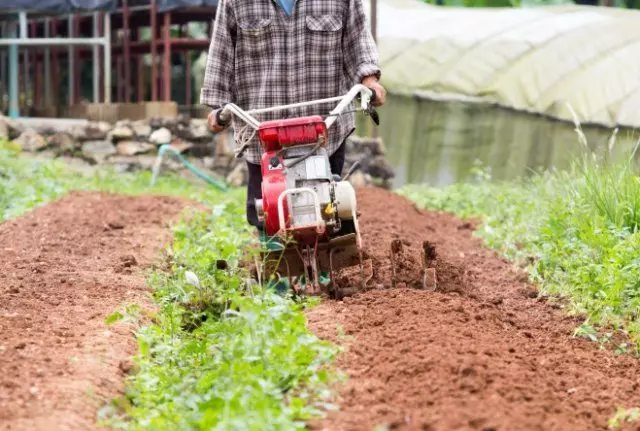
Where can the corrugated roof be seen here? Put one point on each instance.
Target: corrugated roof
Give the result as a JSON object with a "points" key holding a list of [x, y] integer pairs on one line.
{"points": [[534, 59], [65, 6]]}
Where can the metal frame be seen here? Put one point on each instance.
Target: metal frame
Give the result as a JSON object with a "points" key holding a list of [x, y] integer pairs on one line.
{"points": [[344, 101], [23, 39]]}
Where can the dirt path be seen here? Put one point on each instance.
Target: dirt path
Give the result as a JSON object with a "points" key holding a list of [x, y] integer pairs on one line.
{"points": [[65, 267], [483, 353]]}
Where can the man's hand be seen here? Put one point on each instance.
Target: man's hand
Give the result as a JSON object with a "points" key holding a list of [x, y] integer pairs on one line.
{"points": [[212, 120], [372, 83]]}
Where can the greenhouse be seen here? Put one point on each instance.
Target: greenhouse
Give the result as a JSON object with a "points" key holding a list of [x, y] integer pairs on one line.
{"points": [[536, 59]]}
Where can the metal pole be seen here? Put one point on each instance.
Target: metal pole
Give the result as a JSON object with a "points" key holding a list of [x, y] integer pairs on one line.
{"points": [[71, 60], [77, 91], [96, 83], [127, 51], [3, 68], [24, 34], [55, 42], [107, 57], [167, 57], [14, 108], [154, 51], [55, 70], [37, 86], [47, 65]]}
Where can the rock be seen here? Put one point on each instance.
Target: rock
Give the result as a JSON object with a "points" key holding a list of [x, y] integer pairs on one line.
{"points": [[31, 141], [223, 162], [147, 162], [122, 164], [131, 148], [208, 163], [363, 145], [120, 132], [141, 129], [95, 131], [358, 179], [128, 261], [161, 136], [200, 129], [115, 225], [238, 176], [180, 145], [196, 130], [21, 346], [4, 128], [98, 151], [378, 167], [64, 143]]}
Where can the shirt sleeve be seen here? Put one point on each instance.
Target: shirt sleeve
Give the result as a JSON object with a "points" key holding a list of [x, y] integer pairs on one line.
{"points": [[360, 52], [218, 76]]}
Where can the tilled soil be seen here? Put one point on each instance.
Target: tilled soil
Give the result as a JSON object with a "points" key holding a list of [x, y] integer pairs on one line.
{"points": [[65, 267], [483, 352]]}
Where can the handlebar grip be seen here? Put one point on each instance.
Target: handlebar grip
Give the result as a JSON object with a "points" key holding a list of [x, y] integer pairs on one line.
{"points": [[222, 119]]}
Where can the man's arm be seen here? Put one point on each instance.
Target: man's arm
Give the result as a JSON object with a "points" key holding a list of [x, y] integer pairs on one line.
{"points": [[218, 77], [360, 52]]}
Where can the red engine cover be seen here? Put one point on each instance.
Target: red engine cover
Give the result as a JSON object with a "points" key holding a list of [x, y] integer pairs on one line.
{"points": [[294, 131], [273, 184]]}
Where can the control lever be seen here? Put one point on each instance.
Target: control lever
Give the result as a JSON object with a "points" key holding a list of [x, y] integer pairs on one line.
{"points": [[371, 110]]}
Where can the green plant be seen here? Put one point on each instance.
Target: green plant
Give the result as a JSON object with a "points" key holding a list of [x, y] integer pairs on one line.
{"points": [[221, 356], [576, 232], [623, 416], [219, 352]]}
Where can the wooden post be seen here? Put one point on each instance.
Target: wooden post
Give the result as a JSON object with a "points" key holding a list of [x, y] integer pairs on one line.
{"points": [[127, 51]]}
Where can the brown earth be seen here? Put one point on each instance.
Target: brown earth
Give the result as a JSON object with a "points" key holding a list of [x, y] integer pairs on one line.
{"points": [[65, 267], [483, 352]]}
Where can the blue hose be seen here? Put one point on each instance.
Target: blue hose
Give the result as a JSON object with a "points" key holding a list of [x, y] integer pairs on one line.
{"points": [[168, 148]]}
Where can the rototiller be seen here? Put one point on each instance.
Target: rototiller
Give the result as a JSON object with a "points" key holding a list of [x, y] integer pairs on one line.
{"points": [[312, 212]]}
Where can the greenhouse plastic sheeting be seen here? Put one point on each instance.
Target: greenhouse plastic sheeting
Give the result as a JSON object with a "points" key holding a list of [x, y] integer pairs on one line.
{"points": [[536, 59], [63, 6]]}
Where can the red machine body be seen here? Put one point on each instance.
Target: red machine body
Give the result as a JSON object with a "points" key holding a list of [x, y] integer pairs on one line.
{"points": [[274, 136], [279, 134], [274, 183]]}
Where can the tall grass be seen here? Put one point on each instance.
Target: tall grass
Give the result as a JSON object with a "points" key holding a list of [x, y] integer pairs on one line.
{"points": [[576, 231]]}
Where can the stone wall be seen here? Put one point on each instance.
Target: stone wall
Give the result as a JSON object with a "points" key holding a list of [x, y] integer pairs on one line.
{"points": [[132, 145]]}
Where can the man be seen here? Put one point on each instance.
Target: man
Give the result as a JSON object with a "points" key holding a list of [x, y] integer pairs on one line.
{"points": [[267, 53]]}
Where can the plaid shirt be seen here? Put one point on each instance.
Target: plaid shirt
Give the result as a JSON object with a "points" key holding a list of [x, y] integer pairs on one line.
{"points": [[260, 57]]}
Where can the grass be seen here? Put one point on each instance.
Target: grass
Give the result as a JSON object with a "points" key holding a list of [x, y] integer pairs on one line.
{"points": [[576, 232], [218, 353]]}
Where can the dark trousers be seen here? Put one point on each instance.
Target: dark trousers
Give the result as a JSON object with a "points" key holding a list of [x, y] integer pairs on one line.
{"points": [[254, 184]]}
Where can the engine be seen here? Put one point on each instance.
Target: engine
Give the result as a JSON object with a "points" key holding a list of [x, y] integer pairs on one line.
{"points": [[300, 195]]}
